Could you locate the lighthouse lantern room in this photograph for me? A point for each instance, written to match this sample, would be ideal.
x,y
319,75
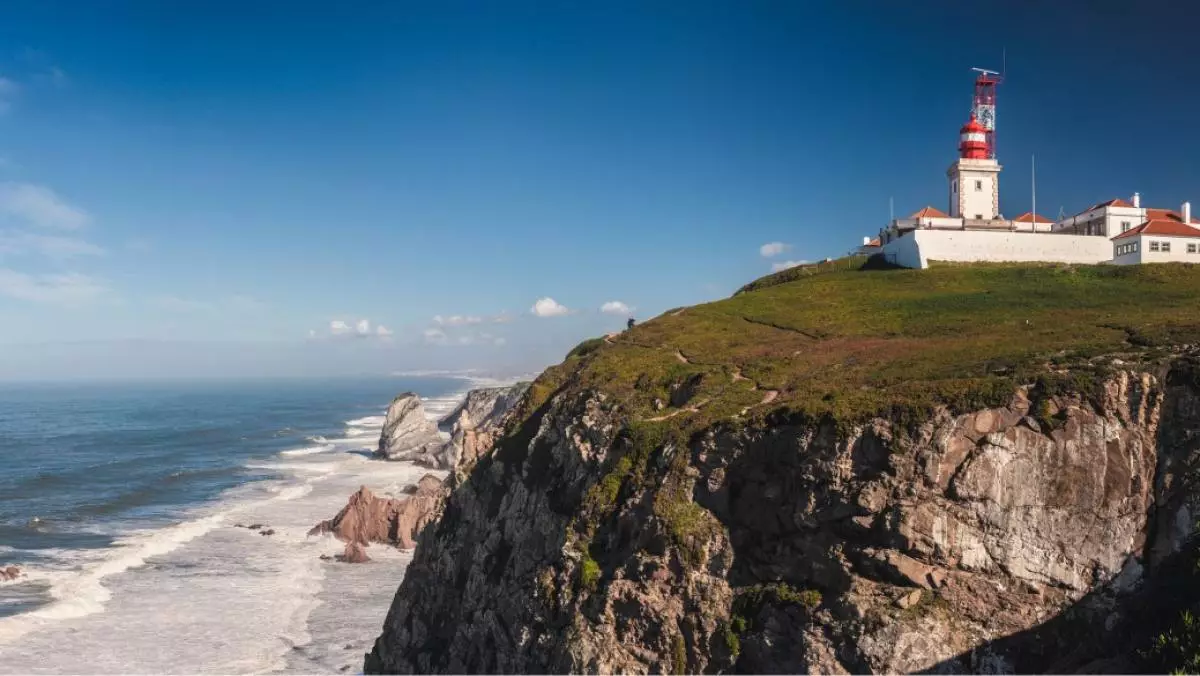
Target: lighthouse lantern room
x,y
974,176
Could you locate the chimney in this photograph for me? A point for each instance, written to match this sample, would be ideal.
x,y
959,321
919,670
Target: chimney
x,y
1137,200
1186,212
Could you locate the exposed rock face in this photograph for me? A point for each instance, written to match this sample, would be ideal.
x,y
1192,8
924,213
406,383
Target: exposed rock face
x,y
9,573
408,434
807,546
354,553
475,425
367,518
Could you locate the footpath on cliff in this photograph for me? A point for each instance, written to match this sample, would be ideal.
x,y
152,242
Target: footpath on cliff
x,y
965,468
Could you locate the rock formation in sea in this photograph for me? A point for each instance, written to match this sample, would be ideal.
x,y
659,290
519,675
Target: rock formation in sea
x,y
367,518
408,434
354,553
952,470
475,424
9,573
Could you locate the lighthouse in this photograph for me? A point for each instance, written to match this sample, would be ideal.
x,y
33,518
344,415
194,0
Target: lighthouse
x,y
974,176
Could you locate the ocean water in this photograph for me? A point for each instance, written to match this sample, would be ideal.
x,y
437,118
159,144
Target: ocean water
x,y
126,506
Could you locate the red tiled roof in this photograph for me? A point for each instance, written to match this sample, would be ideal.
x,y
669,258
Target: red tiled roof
x,y
1162,214
929,212
1164,227
874,242
1115,202
1118,202
1029,217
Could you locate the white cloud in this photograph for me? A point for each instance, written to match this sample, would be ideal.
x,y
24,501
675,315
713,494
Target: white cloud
x,y
361,328
502,318
548,307
40,206
784,265
456,320
615,307
70,288
772,249
435,336
50,246
498,341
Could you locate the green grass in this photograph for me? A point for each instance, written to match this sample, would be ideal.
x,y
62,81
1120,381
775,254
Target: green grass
x,y
853,344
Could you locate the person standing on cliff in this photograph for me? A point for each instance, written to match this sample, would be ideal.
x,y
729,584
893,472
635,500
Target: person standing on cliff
x,y
629,324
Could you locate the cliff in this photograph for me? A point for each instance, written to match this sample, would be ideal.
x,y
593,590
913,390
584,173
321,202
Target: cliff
x,y
475,424
975,468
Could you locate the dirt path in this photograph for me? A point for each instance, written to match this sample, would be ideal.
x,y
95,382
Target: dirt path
x,y
688,409
681,358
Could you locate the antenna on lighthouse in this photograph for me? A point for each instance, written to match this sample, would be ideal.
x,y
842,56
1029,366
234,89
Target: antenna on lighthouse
x,y
983,105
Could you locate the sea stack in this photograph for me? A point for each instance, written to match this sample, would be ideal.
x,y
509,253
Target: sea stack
x,y
407,433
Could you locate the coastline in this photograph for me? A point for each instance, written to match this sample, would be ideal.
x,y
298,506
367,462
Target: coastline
x,y
206,596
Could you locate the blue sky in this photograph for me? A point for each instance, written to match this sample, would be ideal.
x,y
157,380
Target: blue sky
x,y
208,188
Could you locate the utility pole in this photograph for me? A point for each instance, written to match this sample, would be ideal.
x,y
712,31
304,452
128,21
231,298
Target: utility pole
x,y
1033,190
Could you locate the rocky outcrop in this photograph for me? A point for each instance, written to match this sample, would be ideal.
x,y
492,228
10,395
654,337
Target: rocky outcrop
x,y
354,553
408,434
475,425
10,573
1010,539
367,518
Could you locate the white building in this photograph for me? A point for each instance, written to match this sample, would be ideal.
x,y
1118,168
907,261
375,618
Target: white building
x,y
1159,240
1111,218
1115,231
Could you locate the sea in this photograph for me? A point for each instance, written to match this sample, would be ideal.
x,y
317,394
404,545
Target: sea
x,y
128,507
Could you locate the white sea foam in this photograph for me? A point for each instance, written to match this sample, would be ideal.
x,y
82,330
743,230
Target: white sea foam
x,y
308,450
369,421
205,597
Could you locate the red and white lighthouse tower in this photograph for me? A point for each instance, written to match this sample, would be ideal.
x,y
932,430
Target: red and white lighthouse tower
x,y
975,175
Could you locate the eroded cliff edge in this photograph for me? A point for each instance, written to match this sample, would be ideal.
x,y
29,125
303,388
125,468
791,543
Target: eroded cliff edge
x,y
737,515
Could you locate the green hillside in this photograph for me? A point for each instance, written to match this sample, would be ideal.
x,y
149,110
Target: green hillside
x,y
854,343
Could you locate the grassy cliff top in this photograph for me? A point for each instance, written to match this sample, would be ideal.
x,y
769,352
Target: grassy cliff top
x,y
856,343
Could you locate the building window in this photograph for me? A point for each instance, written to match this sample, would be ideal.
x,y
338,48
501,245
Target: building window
x,y
1154,246
954,187
1124,226
1165,247
1191,248
978,186
979,217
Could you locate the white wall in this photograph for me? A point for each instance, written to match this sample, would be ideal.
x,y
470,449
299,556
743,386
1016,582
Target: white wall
x,y
1177,254
904,251
969,202
921,246
1131,257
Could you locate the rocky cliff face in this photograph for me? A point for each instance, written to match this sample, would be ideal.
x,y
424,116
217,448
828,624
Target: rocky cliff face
x,y
1013,538
475,425
408,434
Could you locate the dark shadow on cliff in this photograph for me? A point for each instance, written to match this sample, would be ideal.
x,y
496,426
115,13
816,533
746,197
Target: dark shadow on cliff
x,y
1102,633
